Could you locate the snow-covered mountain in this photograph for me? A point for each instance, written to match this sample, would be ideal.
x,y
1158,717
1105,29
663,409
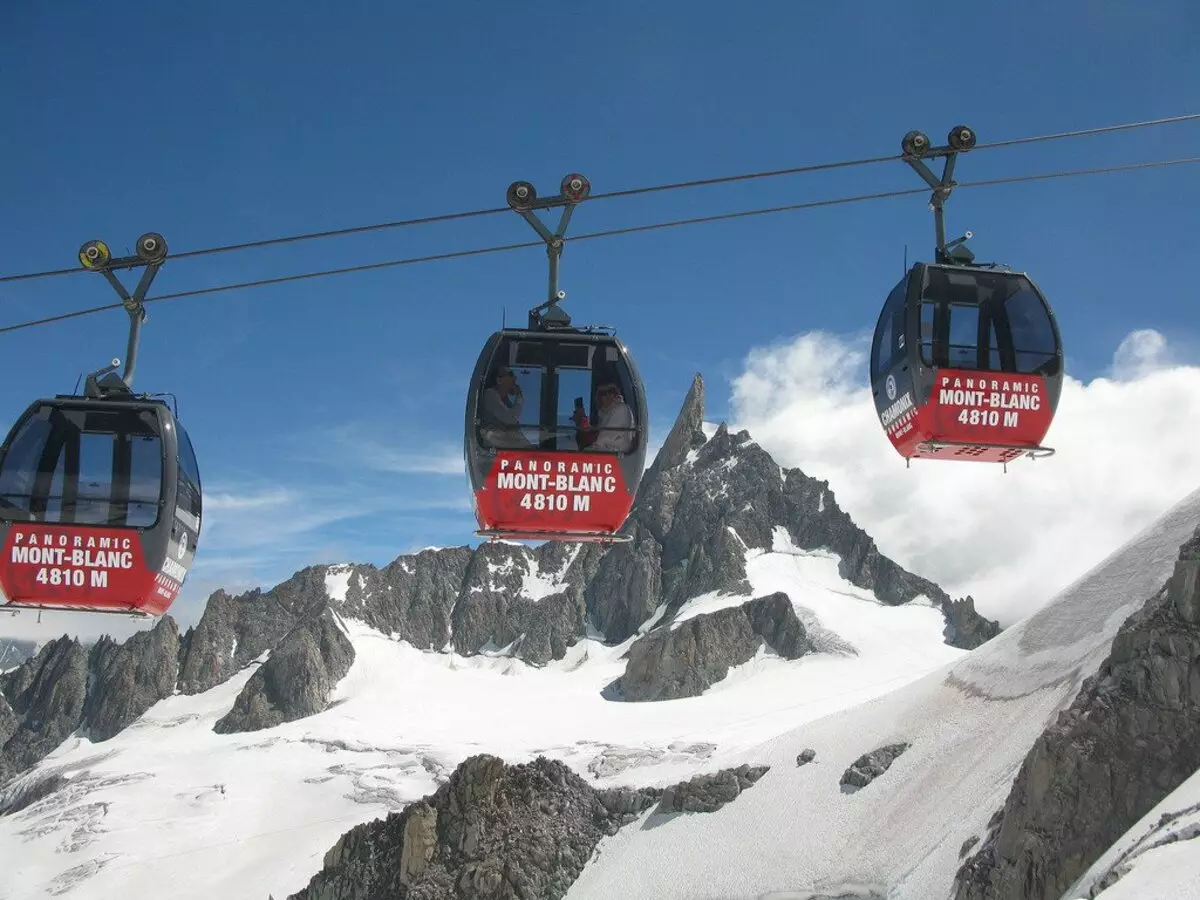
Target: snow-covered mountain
x,y
746,595
583,723
1059,760
976,780
253,813
13,652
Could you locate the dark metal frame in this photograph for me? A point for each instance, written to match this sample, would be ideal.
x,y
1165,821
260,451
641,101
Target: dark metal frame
x,y
522,197
95,256
158,537
916,150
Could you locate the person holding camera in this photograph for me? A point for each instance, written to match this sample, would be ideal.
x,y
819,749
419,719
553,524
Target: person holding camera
x,y
614,432
501,407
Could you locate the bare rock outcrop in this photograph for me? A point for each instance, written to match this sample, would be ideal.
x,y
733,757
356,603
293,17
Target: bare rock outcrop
x,y
45,696
708,793
412,597
235,631
707,501
14,651
501,832
491,831
870,766
297,679
127,679
493,611
965,627
98,691
687,659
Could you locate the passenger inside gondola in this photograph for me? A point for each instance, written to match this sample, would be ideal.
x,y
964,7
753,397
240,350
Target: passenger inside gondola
x,y
501,416
1034,343
614,432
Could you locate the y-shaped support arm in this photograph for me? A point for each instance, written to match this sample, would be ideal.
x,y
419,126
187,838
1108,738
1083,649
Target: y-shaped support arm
x,y
151,253
916,149
523,199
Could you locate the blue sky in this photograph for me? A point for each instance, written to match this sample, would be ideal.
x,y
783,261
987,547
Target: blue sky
x,y
327,414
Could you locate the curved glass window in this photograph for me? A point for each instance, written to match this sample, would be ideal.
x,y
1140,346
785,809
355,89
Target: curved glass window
x,y
85,466
1035,346
988,321
888,347
537,393
189,497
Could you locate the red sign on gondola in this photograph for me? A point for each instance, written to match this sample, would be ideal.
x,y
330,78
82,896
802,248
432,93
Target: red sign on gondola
x,y
989,415
83,568
548,493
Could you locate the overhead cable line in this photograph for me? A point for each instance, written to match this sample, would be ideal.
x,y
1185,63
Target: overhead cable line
x,y
479,251
629,192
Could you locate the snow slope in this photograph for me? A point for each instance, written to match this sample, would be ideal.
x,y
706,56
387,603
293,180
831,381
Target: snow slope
x,y
970,724
1158,856
167,801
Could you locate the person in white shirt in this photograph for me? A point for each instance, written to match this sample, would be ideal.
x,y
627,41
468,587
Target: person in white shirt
x,y
614,432
502,417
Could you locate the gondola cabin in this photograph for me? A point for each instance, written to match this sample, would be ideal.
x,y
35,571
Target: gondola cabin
x,y
966,364
100,506
536,474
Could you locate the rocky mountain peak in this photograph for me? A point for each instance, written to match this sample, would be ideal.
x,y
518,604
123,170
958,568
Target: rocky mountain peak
x,y
705,506
98,691
686,434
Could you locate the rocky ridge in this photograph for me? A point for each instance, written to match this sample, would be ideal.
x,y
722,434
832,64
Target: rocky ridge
x,y
1130,737
297,679
98,691
669,664
870,766
500,831
702,505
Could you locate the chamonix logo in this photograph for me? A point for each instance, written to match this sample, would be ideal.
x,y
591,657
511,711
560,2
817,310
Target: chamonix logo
x,y
891,387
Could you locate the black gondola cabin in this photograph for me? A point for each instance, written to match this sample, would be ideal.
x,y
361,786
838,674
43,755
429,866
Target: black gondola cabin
x,y
536,474
100,501
966,364
100,506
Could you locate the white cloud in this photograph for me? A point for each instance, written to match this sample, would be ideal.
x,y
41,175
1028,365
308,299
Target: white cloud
x,y
229,500
1126,452
385,459
1142,352
269,516
350,446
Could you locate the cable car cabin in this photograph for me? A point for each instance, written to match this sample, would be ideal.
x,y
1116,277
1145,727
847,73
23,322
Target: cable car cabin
x,y
967,364
534,473
100,506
